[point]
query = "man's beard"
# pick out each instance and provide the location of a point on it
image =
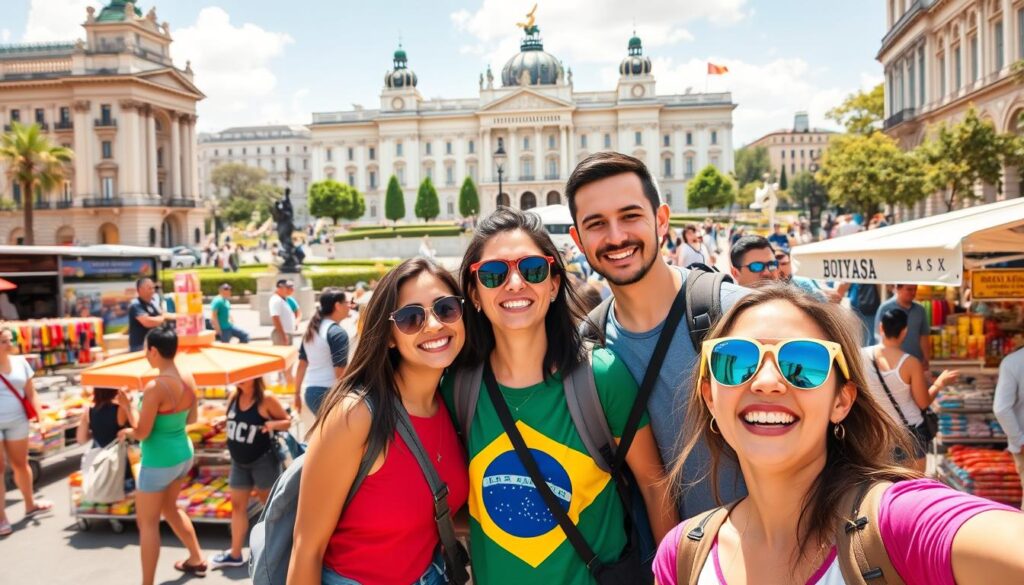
(633, 278)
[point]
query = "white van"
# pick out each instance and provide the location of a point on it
(557, 220)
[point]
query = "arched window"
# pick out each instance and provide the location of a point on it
(554, 198)
(527, 201)
(503, 200)
(152, 236)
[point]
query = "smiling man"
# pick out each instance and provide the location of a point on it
(618, 221)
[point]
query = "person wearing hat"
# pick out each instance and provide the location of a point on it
(282, 313)
(220, 311)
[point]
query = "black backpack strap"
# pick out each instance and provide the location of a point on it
(454, 554)
(588, 414)
(703, 302)
(373, 450)
(466, 395)
(596, 322)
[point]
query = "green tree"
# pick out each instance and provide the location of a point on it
(752, 163)
(710, 189)
(783, 181)
(427, 205)
(865, 172)
(469, 201)
(242, 189)
(745, 195)
(861, 112)
(963, 155)
(356, 207)
(325, 200)
(35, 164)
(394, 201)
(802, 188)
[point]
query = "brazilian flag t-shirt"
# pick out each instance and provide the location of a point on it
(514, 538)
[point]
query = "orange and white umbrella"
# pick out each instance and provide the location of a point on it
(210, 363)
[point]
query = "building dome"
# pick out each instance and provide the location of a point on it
(635, 62)
(114, 12)
(542, 67)
(401, 76)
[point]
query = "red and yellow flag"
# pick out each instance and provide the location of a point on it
(717, 69)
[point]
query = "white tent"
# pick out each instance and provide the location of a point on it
(934, 250)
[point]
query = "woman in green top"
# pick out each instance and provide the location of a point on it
(524, 329)
(168, 404)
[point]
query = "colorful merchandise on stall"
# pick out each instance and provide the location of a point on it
(983, 472)
(59, 341)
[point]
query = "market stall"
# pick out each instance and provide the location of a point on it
(977, 249)
(52, 436)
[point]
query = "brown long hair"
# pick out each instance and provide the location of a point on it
(371, 373)
(867, 451)
(259, 388)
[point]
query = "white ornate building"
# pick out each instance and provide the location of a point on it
(536, 117)
(129, 115)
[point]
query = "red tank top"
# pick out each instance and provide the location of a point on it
(387, 534)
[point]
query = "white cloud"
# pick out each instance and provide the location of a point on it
(590, 31)
(56, 20)
(5, 35)
(232, 67)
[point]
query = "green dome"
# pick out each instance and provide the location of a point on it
(114, 12)
(634, 42)
(400, 55)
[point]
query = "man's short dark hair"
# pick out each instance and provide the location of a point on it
(893, 321)
(164, 339)
(285, 282)
(141, 281)
(602, 165)
(746, 244)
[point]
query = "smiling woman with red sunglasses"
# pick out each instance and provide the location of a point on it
(523, 338)
(387, 532)
(781, 390)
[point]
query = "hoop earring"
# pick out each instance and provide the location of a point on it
(839, 432)
(712, 425)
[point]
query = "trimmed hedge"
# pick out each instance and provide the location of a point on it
(365, 228)
(405, 232)
(345, 277)
(332, 273)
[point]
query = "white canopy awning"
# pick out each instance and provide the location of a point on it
(924, 251)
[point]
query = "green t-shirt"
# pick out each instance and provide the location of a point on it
(513, 536)
(221, 309)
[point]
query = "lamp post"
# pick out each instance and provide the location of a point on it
(499, 156)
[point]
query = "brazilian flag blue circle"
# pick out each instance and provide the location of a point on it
(513, 503)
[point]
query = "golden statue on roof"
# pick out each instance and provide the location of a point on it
(530, 26)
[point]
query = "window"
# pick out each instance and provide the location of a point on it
(638, 138)
(244, 151)
(400, 173)
(273, 164)
(527, 169)
(429, 148)
(65, 115)
(958, 64)
(792, 153)
(583, 141)
(373, 209)
(802, 153)
(159, 158)
(666, 140)
(1020, 33)
(689, 139)
(472, 146)
(792, 168)
(911, 93)
(15, 115)
(552, 168)
(667, 167)
(105, 114)
(551, 142)
(305, 164)
(351, 153)
(471, 171)
(428, 172)
(975, 73)
(330, 154)
(526, 143)
(106, 147)
(783, 155)
(152, 236)
(449, 177)
(160, 188)
(714, 160)
(607, 140)
(40, 116)
(714, 137)
(999, 45)
(942, 76)
(373, 180)
(398, 149)
(17, 193)
(448, 147)
(351, 179)
(258, 150)
(668, 197)
(373, 153)
(67, 190)
(108, 187)
(689, 167)
(920, 73)
(451, 206)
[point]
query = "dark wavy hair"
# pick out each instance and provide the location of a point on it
(565, 344)
(371, 373)
(329, 297)
(866, 452)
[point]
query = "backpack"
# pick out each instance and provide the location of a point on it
(861, 552)
(271, 538)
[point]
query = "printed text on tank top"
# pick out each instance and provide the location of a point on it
(241, 431)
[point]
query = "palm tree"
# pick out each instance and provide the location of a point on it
(34, 163)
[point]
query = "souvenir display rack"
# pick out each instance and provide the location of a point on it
(59, 342)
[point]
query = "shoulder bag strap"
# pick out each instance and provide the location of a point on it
(579, 544)
(588, 414)
(888, 392)
(467, 393)
(675, 315)
(693, 549)
(11, 387)
(703, 302)
(442, 513)
(597, 321)
(860, 550)
(373, 450)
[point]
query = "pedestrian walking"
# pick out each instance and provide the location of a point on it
(220, 311)
(917, 341)
(252, 419)
(524, 342)
(19, 404)
(110, 412)
(1008, 406)
(800, 421)
(143, 314)
(283, 314)
(323, 354)
(387, 531)
(899, 383)
(168, 404)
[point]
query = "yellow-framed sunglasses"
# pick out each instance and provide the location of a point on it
(805, 363)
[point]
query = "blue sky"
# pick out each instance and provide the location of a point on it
(262, 62)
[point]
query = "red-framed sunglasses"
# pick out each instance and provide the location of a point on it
(493, 273)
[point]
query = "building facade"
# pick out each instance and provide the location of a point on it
(794, 149)
(128, 113)
(942, 57)
(282, 151)
(536, 122)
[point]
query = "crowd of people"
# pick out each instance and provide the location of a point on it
(621, 413)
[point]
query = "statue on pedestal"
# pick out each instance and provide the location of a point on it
(284, 221)
(766, 199)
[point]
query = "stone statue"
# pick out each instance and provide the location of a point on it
(490, 78)
(285, 223)
(530, 26)
(766, 199)
(569, 76)
(481, 81)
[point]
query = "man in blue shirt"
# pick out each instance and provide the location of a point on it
(143, 314)
(618, 222)
(917, 343)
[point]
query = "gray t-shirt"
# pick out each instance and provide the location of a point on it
(917, 325)
(667, 406)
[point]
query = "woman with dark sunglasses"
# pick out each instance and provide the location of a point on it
(781, 390)
(387, 532)
(523, 327)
